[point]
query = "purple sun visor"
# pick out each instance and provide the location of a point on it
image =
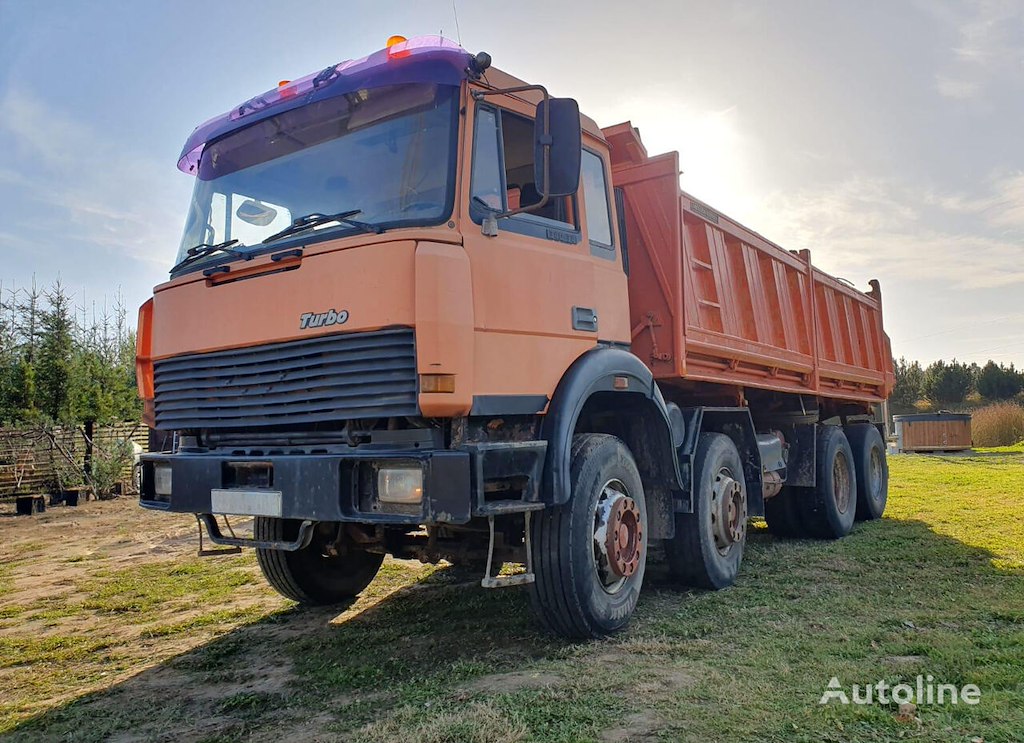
(423, 59)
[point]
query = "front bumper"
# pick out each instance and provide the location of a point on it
(342, 487)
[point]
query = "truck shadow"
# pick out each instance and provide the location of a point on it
(435, 631)
(306, 672)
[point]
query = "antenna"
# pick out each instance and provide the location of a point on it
(458, 32)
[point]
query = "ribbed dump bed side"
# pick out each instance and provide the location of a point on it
(713, 301)
(297, 383)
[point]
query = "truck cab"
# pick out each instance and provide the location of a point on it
(399, 323)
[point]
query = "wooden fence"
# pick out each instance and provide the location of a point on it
(33, 459)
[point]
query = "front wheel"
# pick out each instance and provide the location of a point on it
(311, 575)
(589, 554)
(708, 546)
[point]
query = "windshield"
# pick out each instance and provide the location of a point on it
(387, 152)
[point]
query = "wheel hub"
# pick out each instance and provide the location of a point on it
(841, 485)
(875, 483)
(618, 536)
(622, 537)
(728, 511)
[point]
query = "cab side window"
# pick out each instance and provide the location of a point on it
(487, 175)
(503, 177)
(595, 193)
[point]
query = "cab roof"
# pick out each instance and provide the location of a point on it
(422, 59)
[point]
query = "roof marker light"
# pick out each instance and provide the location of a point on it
(397, 47)
(284, 91)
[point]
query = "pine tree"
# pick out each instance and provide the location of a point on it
(56, 354)
(948, 383)
(909, 387)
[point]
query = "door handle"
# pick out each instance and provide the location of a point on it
(584, 318)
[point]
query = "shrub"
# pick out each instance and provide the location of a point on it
(1001, 424)
(110, 462)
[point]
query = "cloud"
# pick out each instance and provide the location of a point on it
(990, 40)
(74, 185)
(960, 89)
(882, 227)
(1002, 207)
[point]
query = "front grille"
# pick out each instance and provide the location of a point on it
(296, 383)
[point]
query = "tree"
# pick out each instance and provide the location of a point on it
(26, 316)
(947, 383)
(909, 386)
(62, 365)
(56, 352)
(998, 382)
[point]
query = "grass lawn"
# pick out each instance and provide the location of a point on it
(157, 644)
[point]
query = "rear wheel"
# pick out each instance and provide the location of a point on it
(872, 470)
(310, 575)
(827, 510)
(589, 554)
(708, 546)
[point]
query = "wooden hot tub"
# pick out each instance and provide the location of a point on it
(933, 432)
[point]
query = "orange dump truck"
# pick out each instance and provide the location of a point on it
(422, 308)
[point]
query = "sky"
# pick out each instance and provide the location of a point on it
(883, 135)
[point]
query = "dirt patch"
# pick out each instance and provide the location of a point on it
(655, 675)
(660, 681)
(506, 683)
(641, 726)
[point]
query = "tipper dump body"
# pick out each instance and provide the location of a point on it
(711, 301)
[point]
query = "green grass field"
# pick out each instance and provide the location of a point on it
(182, 648)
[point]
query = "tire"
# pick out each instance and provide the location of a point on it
(576, 593)
(782, 514)
(828, 509)
(695, 557)
(308, 575)
(872, 470)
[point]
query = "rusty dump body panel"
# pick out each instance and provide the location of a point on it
(711, 301)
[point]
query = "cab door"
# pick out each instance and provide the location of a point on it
(535, 296)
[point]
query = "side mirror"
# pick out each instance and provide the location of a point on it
(563, 139)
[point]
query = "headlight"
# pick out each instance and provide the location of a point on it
(402, 485)
(162, 479)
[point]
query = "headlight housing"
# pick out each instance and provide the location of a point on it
(162, 479)
(400, 485)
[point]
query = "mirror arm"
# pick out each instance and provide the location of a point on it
(544, 197)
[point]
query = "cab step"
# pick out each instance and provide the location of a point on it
(519, 579)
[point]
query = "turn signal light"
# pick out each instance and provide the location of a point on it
(144, 351)
(437, 383)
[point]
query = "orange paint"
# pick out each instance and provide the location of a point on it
(444, 326)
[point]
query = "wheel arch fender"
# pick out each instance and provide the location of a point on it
(613, 383)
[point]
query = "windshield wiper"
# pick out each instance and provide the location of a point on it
(204, 249)
(316, 219)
